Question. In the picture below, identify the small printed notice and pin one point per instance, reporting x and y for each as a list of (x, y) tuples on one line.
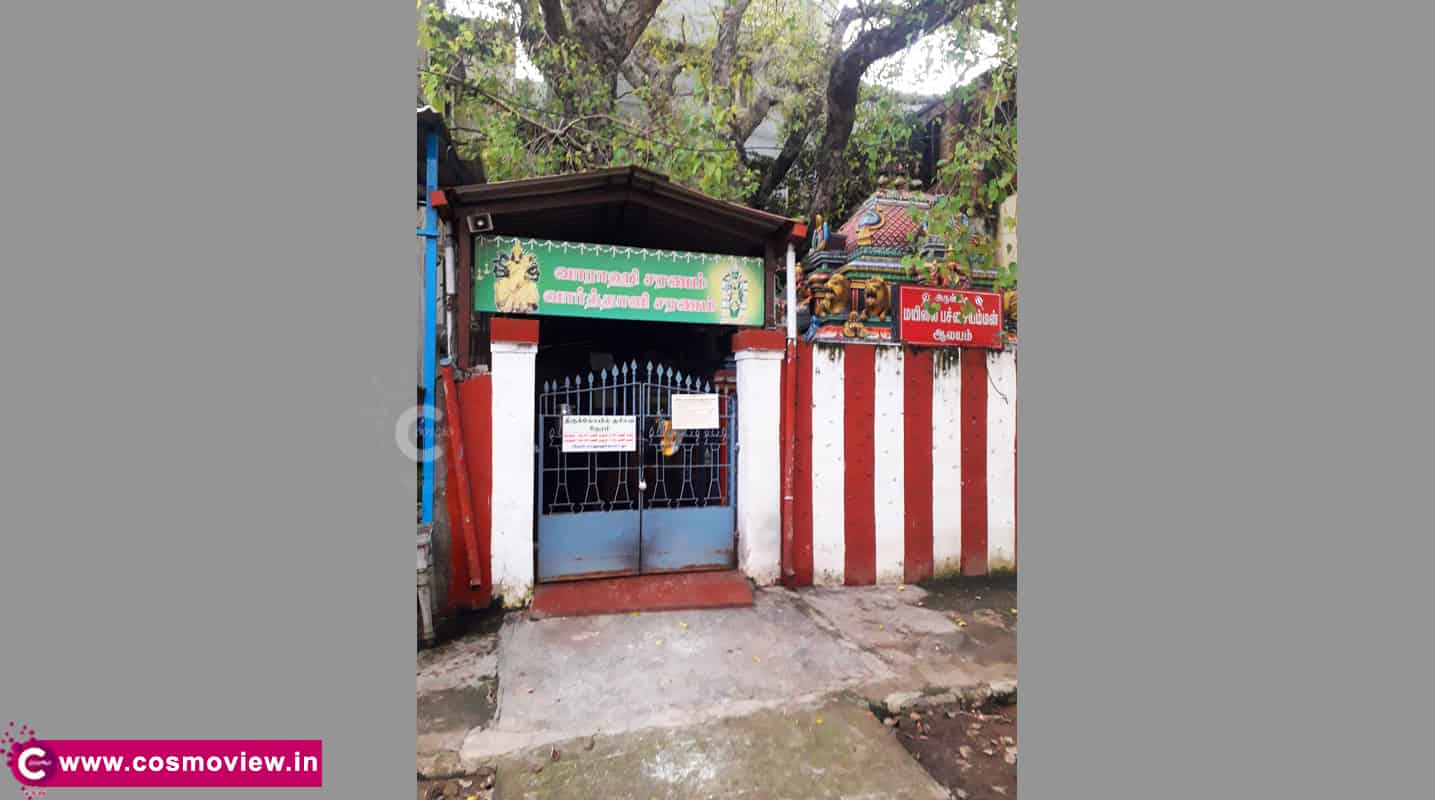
[(695, 412), (600, 434)]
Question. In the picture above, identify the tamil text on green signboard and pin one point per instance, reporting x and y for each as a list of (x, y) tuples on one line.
[(572, 279)]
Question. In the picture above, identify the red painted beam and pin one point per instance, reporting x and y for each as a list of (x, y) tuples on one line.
[(859, 380), (475, 397), (974, 462), (461, 596), (512, 329), (917, 471), (802, 495), (787, 455), (758, 339), (465, 522)]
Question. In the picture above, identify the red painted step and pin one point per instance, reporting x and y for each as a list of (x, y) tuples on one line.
[(669, 592)]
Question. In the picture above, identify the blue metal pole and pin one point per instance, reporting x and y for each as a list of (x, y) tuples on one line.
[(430, 332)]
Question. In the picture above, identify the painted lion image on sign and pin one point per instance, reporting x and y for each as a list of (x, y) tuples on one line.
[(515, 288)]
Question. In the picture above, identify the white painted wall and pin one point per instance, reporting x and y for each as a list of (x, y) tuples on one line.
[(887, 437), (514, 388), (759, 480), (1001, 460), (1006, 233), (946, 465), (828, 492)]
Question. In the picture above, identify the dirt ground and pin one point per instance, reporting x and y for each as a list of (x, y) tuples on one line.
[(479, 785), (971, 753), (985, 608)]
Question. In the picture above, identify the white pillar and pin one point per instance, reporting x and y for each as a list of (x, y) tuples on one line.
[(889, 466), (1001, 461), (759, 477), (513, 420), (946, 462), (829, 504)]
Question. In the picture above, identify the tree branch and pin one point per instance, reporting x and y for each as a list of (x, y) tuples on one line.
[(845, 75), (780, 166), (725, 46)]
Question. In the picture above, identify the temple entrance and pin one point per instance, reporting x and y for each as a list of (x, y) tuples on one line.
[(636, 450)]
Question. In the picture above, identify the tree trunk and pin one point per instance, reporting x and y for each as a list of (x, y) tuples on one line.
[(845, 81)]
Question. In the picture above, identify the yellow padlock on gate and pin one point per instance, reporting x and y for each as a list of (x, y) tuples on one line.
[(670, 438)]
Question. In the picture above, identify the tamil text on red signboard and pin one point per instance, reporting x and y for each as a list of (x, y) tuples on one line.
[(950, 317)]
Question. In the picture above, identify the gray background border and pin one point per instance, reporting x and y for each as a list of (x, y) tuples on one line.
[(208, 313), (1222, 208)]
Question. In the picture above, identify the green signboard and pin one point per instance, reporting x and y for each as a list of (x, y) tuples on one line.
[(571, 279)]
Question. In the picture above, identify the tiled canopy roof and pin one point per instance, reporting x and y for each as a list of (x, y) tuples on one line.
[(888, 218)]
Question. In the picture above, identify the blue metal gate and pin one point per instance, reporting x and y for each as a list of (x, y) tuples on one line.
[(666, 506)]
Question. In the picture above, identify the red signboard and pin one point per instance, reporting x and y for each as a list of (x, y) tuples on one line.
[(950, 317)]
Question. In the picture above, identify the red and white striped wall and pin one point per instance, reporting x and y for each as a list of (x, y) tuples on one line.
[(904, 466), (905, 463)]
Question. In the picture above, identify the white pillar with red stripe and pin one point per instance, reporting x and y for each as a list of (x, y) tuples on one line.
[(515, 353), (759, 356)]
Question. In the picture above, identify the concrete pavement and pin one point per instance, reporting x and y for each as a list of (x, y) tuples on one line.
[(631, 680), (836, 749)]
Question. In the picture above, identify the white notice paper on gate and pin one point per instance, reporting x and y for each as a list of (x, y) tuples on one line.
[(600, 434), (695, 411)]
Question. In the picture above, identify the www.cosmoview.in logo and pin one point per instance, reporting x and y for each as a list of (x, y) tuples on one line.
[(39, 766), (31, 761)]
